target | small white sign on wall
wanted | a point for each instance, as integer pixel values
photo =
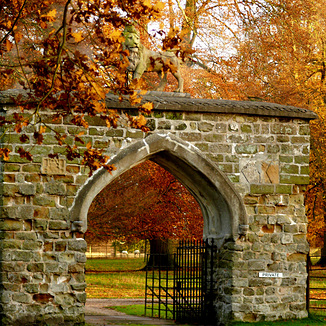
(267, 274)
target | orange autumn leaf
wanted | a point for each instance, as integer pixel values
(8, 45)
(4, 153)
(147, 107)
(78, 36)
(42, 129)
(50, 16)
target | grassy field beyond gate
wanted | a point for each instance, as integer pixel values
(115, 278)
(114, 265)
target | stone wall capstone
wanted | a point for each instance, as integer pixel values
(262, 150)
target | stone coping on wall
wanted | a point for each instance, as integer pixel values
(184, 102)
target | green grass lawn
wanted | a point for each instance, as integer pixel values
(109, 265)
(313, 320)
(122, 280)
(116, 285)
(115, 278)
(318, 290)
(139, 310)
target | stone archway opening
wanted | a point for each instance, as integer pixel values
(146, 209)
(144, 203)
(222, 208)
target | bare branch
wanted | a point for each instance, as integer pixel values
(15, 22)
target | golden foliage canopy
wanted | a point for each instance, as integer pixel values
(66, 55)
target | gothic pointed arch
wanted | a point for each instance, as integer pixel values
(222, 207)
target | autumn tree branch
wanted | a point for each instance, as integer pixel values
(14, 23)
(60, 50)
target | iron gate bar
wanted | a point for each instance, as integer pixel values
(190, 292)
(182, 303)
(157, 292)
(192, 288)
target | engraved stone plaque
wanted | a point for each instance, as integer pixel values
(270, 172)
(258, 170)
(53, 165)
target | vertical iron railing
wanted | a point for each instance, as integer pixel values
(187, 290)
(159, 287)
(189, 280)
(308, 266)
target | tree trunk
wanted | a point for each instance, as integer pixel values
(322, 260)
(161, 254)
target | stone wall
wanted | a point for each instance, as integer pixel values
(264, 151)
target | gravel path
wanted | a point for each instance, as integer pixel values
(97, 313)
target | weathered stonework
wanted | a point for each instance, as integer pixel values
(254, 207)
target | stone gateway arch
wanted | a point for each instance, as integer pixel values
(246, 163)
(223, 210)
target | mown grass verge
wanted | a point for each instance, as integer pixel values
(313, 320)
(139, 310)
(114, 265)
(115, 278)
(116, 285)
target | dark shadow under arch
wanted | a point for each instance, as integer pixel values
(222, 207)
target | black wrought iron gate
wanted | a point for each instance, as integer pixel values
(181, 286)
